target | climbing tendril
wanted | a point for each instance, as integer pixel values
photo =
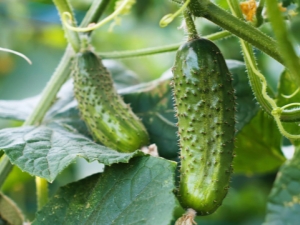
(170, 17)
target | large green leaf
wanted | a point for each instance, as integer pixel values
(140, 192)
(284, 201)
(45, 151)
(258, 146)
(9, 213)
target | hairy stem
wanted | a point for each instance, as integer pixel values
(243, 30)
(190, 25)
(157, 50)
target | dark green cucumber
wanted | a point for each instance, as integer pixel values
(205, 107)
(108, 118)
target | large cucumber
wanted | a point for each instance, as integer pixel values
(108, 118)
(205, 107)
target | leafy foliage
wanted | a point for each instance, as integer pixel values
(140, 192)
(46, 151)
(284, 205)
(253, 152)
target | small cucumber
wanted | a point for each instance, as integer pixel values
(205, 107)
(108, 118)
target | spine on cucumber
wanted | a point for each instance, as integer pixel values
(205, 107)
(108, 118)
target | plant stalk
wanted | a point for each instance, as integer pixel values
(42, 191)
(72, 36)
(259, 13)
(157, 50)
(190, 25)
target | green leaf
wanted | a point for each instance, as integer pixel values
(284, 200)
(9, 212)
(45, 151)
(287, 86)
(259, 142)
(140, 192)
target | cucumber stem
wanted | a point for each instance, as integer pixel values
(157, 50)
(190, 25)
(243, 30)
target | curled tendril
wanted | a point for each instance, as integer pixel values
(170, 17)
(16, 53)
(276, 111)
(122, 8)
(291, 95)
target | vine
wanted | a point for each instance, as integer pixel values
(264, 99)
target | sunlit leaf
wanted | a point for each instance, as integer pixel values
(46, 151)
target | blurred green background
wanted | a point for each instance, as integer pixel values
(33, 28)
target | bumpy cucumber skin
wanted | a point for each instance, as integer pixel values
(108, 118)
(205, 107)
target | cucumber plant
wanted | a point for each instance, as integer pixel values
(138, 189)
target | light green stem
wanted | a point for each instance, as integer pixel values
(235, 9)
(157, 50)
(5, 169)
(66, 16)
(72, 37)
(285, 46)
(191, 28)
(42, 192)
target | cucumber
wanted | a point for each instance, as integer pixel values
(108, 118)
(205, 107)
